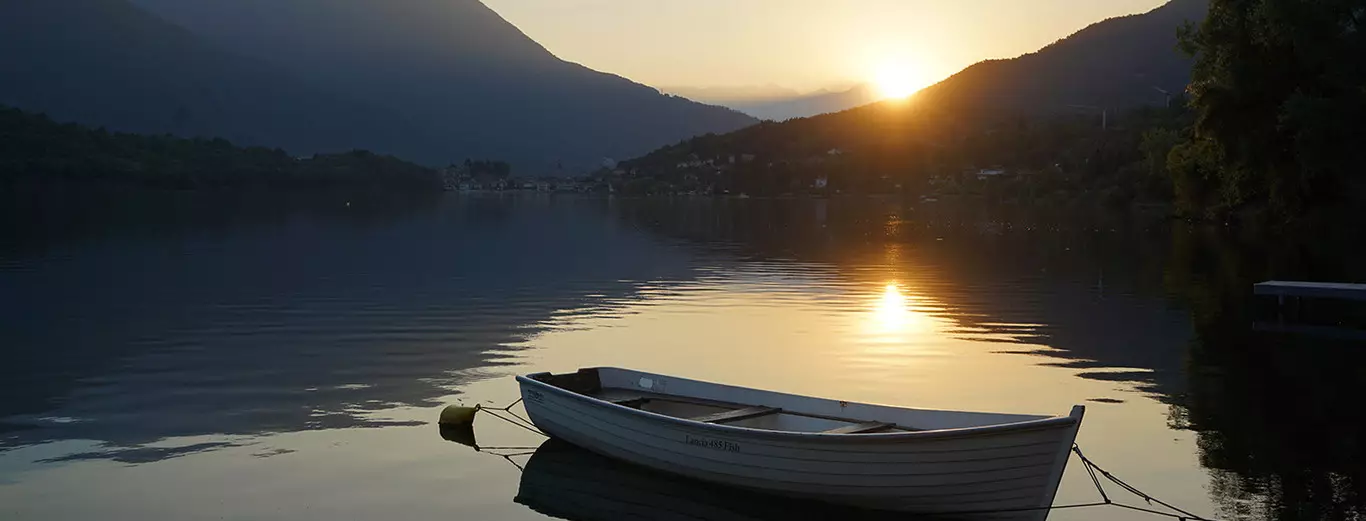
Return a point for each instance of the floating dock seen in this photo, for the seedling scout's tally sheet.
(1295, 301)
(1333, 290)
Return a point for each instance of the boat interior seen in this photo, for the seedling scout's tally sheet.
(740, 415)
(586, 382)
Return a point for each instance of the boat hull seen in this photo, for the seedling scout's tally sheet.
(565, 481)
(1015, 470)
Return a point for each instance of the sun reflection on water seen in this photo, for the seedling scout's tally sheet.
(892, 317)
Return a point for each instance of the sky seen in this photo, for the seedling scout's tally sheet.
(799, 44)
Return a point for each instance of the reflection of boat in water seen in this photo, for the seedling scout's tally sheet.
(858, 454)
(568, 482)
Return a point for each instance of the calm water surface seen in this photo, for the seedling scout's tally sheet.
(283, 360)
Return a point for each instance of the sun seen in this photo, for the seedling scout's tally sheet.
(896, 81)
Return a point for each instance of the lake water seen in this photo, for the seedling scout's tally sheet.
(183, 358)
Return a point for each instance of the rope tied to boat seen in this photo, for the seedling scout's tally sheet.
(1092, 469)
(457, 424)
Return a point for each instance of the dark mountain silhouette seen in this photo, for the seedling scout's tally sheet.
(104, 62)
(37, 152)
(1117, 63)
(458, 70)
(429, 81)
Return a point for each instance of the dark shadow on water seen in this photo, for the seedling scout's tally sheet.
(1281, 417)
(136, 455)
(168, 315)
(564, 481)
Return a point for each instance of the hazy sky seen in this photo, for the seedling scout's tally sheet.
(804, 44)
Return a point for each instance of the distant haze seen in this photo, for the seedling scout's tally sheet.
(727, 95)
(805, 45)
(776, 103)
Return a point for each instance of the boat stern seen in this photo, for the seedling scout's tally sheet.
(1065, 444)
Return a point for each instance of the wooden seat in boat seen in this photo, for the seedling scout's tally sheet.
(737, 415)
(633, 403)
(860, 428)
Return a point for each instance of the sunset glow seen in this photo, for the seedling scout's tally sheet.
(763, 42)
(897, 81)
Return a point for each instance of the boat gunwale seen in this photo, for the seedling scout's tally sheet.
(959, 432)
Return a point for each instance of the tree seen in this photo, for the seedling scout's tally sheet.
(1156, 145)
(1195, 168)
(33, 148)
(1279, 91)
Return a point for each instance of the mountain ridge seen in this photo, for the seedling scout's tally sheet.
(1110, 65)
(455, 63)
(1133, 56)
(152, 78)
(328, 75)
(1156, 77)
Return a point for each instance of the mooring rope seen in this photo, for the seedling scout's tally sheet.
(516, 419)
(1094, 471)
(1093, 468)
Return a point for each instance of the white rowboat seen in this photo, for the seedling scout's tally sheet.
(871, 456)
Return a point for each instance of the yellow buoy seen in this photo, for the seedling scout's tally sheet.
(457, 424)
(458, 415)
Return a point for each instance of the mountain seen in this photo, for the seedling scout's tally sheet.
(457, 70)
(429, 80)
(1037, 112)
(1114, 64)
(1117, 63)
(823, 102)
(111, 64)
(37, 152)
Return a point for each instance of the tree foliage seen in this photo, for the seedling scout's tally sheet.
(34, 148)
(1279, 92)
(890, 148)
